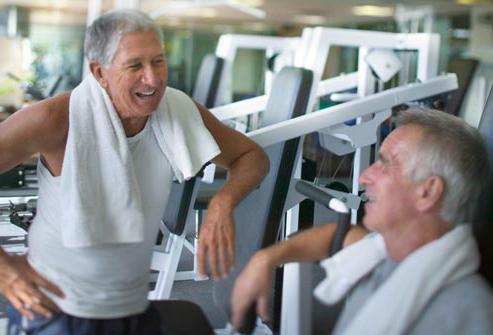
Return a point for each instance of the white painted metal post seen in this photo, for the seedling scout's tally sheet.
(296, 290)
(366, 86)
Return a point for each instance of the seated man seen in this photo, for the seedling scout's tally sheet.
(418, 273)
(110, 150)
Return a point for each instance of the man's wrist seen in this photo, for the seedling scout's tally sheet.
(224, 203)
(265, 258)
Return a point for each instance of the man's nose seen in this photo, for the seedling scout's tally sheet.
(365, 177)
(150, 76)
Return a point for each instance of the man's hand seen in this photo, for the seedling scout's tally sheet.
(20, 284)
(217, 240)
(253, 286)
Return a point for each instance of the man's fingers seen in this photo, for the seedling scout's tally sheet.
(263, 308)
(223, 257)
(230, 248)
(36, 306)
(47, 302)
(22, 307)
(201, 258)
(212, 251)
(240, 307)
(42, 282)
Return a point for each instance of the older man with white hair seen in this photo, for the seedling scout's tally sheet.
(417, 272)
(109, 151)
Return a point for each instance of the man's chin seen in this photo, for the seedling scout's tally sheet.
(367, 222)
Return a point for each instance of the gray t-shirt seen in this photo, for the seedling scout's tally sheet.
(462, 307)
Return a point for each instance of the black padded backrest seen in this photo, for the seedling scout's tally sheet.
(182, 197)
(207, 82)
(483, 226)
(258, 216)
(465, 69)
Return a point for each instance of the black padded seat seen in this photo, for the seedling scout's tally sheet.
(174, 321)
(258, 216)
(483, 226)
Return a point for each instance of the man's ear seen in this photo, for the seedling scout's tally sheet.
(97, 71)
(430, 193)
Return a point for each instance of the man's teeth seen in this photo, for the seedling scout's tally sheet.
(367, 198)
(146, 94)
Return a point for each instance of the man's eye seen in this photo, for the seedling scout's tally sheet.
(158, 61)
(134, 66)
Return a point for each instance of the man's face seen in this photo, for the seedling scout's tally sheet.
(392, 195)
(137, 76)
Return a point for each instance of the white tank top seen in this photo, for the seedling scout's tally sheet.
(107, 281)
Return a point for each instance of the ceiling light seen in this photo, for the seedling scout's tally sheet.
(310, 19)
(466, 2)
(372, 11)
(474, 2)
(203, 12)
(252, 3)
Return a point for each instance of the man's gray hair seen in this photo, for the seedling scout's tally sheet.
(452, 149)
(104, 34)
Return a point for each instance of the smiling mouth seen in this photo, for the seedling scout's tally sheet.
(146, 94)
(365, 198)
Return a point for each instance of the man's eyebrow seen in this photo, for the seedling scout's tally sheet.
(137, 59)
(130, 61)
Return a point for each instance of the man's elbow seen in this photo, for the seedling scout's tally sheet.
(263, 162)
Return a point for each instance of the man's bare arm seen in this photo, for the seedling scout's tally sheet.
(40, 128)
(247, 166)
(254, 285)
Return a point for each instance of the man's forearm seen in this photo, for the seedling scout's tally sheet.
(244, 175)
(307, 246)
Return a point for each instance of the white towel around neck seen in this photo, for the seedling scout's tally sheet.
(402, 297)
(102, 202)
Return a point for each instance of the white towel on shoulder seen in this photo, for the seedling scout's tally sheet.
(401, 298)
(102, 202)
(348, 266)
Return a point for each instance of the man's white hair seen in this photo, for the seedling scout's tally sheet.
(453, 150)
(104, 34)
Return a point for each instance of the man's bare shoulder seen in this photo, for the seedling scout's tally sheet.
(52, 115)
(45, 123)
(39, 128)
(53, 112)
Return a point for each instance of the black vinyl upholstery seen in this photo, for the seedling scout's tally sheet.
(465, 69)
(258, 216)
(182, 197)
(173, 315)
(483, 226)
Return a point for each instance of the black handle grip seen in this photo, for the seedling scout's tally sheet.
(249, 321)
(313, 192)
(343, 225)
(323, 198)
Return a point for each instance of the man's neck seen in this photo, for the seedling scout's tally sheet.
(133, 126)
(409, 237)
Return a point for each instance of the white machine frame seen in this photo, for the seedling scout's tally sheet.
(228, 46)
(295, 318)
(370, 109)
